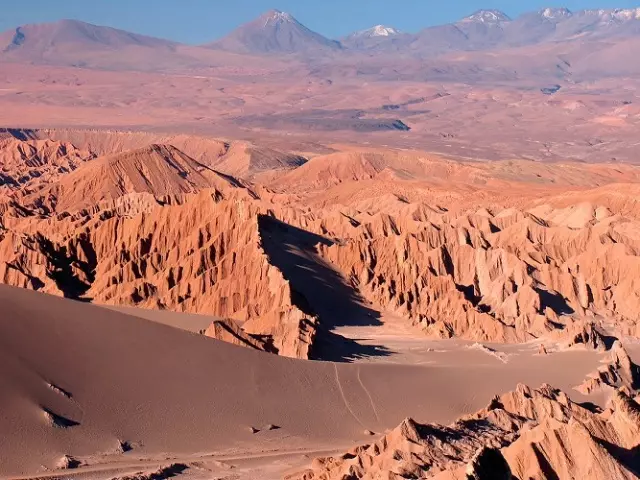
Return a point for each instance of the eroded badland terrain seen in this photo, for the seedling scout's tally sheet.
(280, 255)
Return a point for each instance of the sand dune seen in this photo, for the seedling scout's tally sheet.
(111, 378)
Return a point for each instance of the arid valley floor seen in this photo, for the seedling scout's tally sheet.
(222, 263)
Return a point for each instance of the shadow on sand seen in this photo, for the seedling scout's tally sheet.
(318, 289)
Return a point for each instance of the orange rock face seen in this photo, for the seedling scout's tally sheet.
(618, 372)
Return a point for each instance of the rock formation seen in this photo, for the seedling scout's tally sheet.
(506, 276)
(28, 163)
(618, 372)
(159, 170)
(523, 434)
(229, 331)
(132, 229)
(153, 227)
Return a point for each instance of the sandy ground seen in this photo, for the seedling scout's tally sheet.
(176, 397)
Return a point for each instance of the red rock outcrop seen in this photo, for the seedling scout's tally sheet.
(201, 256)
(159, 170)
(508, 276)
(132, 229)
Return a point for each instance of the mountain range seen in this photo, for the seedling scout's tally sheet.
(548, 84)
(277, 32)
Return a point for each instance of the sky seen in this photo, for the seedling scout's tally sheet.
(201, 21)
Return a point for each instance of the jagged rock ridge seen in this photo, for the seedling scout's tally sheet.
(523, 434)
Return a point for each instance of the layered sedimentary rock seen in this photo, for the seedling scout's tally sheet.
(203, 255)
(155, 229)
(523, 434)
(159, 170)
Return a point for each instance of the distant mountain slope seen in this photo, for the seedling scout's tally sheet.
(560, 24)
(274, 32)
(79, 44)
(38, 38)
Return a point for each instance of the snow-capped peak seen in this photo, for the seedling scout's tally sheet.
(382, 31)
(626, 14)
(616, 15)
(488, 16)
(276, 17)
(376, 32)
(556, 13)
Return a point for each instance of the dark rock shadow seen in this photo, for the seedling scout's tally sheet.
(319, 290)
(58, 421)
(170, 471)
(608, 341)
(629, 458)
(554, 301)
(61, 269)
(545, 466)
(331, 347)
(592, 407)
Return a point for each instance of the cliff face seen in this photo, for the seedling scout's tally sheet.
(203, 255)
(154, 229)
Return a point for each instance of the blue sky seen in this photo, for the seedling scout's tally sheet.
(198, 21)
